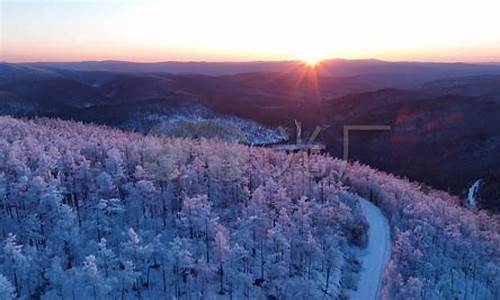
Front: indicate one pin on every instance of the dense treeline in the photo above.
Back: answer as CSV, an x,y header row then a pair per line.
x,y
441,250
89,212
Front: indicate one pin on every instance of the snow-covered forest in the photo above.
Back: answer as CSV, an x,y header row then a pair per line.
x,y
91,212
441,249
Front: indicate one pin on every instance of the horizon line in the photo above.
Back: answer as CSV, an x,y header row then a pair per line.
x,y
249,61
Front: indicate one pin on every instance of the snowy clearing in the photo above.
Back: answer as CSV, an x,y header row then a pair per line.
x,y
375,256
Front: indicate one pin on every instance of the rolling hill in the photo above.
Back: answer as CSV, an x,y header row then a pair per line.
x,y
443,116
88,211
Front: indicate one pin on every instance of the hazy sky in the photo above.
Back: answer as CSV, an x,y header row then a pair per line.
x,y
432,30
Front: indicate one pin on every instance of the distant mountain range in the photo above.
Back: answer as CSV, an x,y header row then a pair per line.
x,y
444,117
333,67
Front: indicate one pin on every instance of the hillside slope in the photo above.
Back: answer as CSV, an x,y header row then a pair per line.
x,y
432,134
92,212
444,117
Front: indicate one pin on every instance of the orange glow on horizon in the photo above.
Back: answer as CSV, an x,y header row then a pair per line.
x,y
235,30
312,61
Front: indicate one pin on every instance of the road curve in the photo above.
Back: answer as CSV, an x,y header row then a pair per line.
x,y
376,254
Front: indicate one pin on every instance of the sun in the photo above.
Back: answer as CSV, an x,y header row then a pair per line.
x,y
311,60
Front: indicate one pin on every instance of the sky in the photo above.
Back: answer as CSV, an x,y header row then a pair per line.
x,y
237,30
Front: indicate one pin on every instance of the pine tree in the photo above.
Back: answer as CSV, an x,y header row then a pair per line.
x,y
7,291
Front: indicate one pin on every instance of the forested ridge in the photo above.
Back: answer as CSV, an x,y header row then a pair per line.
x,y
440,249
91,212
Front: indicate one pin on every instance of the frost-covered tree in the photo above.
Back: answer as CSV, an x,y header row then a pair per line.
x,y
90,212
7,290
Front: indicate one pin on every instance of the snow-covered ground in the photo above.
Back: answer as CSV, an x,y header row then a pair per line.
x,y
375,256
472,195
199,121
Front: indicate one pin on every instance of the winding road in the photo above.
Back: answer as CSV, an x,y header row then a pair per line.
x,y
376,254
